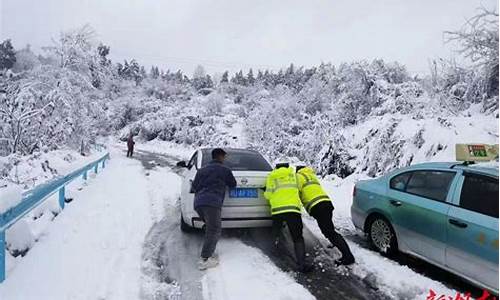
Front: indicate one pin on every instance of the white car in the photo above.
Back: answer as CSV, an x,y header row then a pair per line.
x,y
245,205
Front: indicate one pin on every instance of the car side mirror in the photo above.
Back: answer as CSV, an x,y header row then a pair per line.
x,y
181,164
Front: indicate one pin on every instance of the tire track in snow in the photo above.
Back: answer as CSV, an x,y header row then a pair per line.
x,y
170,256
327,281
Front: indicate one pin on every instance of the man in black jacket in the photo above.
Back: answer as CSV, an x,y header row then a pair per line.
x,y
209,186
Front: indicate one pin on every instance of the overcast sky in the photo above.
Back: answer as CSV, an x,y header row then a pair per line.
x,y
231,34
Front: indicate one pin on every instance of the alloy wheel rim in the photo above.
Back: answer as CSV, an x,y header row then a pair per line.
x,y
381,235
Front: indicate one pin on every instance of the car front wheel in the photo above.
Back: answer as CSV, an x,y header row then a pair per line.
x,y
382,236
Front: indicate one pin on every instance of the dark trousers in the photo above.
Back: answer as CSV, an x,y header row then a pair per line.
x,y
323,213
130,151
213,227
294,223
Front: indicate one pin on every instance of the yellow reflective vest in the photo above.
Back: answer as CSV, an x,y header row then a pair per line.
x,y
311,192
282,191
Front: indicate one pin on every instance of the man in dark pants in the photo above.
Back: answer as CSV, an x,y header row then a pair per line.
x,y
319,206
283,196
130,145
209,186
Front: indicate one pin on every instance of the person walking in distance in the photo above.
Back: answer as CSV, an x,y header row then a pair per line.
x,y
209,185
319,205
130,145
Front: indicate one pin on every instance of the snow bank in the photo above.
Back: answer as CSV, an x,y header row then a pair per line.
x,y
10,196
383,143
93,249
21,174
29,171
168,148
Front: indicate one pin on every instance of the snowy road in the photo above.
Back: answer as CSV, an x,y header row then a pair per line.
x,y
120,239
404,277
173,249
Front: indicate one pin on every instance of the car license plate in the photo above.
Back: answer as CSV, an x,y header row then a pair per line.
x,y
243,193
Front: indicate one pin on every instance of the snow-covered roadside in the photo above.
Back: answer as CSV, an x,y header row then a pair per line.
x,y
29,171
162,147
92,250
393,279
19,174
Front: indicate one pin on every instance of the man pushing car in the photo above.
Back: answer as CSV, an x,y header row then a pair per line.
x,y
209,186
319,205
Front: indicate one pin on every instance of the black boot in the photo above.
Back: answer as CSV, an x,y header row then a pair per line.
x,y
339,242
300,254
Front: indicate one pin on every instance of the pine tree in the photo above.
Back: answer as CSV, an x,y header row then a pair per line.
x,y
250,78
260,76
103,52
239,78
155,72
225,77
7,55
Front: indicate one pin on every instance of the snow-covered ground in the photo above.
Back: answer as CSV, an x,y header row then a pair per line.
x,y
92,249
95,249
20,174
393,279
120,239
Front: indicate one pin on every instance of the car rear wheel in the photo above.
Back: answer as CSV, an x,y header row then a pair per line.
x,y
382,236
185,226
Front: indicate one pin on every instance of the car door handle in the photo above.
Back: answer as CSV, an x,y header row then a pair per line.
x,y
396,202
457,223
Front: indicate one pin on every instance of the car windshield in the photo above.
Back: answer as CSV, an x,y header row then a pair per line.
x,y
240,160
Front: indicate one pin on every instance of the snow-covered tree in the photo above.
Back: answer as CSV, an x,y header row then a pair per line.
x,y
250,79
201,81
225,77
478,41
7,55
25,60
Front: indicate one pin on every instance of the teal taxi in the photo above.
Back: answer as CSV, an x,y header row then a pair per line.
x,y
445,213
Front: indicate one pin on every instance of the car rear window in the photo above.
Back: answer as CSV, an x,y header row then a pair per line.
x,y
480,194
240,160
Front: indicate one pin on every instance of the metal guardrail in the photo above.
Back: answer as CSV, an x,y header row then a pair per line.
x,y
36,196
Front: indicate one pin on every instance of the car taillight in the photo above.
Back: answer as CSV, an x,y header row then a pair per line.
x,y
354,191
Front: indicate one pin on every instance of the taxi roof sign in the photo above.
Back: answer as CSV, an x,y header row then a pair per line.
x,y
476,152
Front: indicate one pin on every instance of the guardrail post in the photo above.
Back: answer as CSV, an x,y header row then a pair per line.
x,y
2,255
103,163
61,197
84,175
95,168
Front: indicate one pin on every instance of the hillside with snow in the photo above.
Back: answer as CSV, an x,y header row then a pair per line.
x,y
67,106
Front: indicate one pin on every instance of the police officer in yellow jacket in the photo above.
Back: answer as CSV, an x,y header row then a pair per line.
x,y
319,206
283,196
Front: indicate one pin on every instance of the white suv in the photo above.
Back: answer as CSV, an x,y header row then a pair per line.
x,y
245,205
